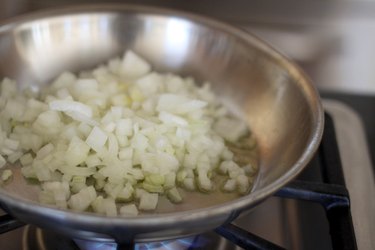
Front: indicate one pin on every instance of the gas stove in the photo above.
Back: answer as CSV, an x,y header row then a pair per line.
x,y
321,209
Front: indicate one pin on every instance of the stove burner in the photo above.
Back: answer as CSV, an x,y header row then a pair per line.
x,y
194,242
34,238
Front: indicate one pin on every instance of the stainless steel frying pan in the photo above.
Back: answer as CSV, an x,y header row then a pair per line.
x,y
280,104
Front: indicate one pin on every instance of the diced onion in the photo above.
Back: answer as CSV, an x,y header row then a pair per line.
x,y
129,210
71,106
148,201
134,66
6,174
96,139
112,140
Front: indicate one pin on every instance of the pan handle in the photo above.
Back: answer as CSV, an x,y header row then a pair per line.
x,y
8,223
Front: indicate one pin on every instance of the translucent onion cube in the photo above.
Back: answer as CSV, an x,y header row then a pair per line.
x,y
139,142
171,119
124,127
44,151
96,139
148,201
48,122
110,207
126,193
26,159
189,184
134,66
6,174
64,80
86,85
71,106
173,195
12,158
126,153
82,200
243,184
150,84
98,205
129,210
77,152
204,182
230,185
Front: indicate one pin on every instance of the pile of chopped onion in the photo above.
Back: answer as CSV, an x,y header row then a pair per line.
x,y
116,138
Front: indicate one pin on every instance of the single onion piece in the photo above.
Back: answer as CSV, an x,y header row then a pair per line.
x,y
96,139
134,66
71,106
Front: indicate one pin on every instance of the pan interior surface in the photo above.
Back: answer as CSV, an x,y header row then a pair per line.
x,y
280,105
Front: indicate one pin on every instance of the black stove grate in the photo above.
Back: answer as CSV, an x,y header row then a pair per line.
x,y
331,193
